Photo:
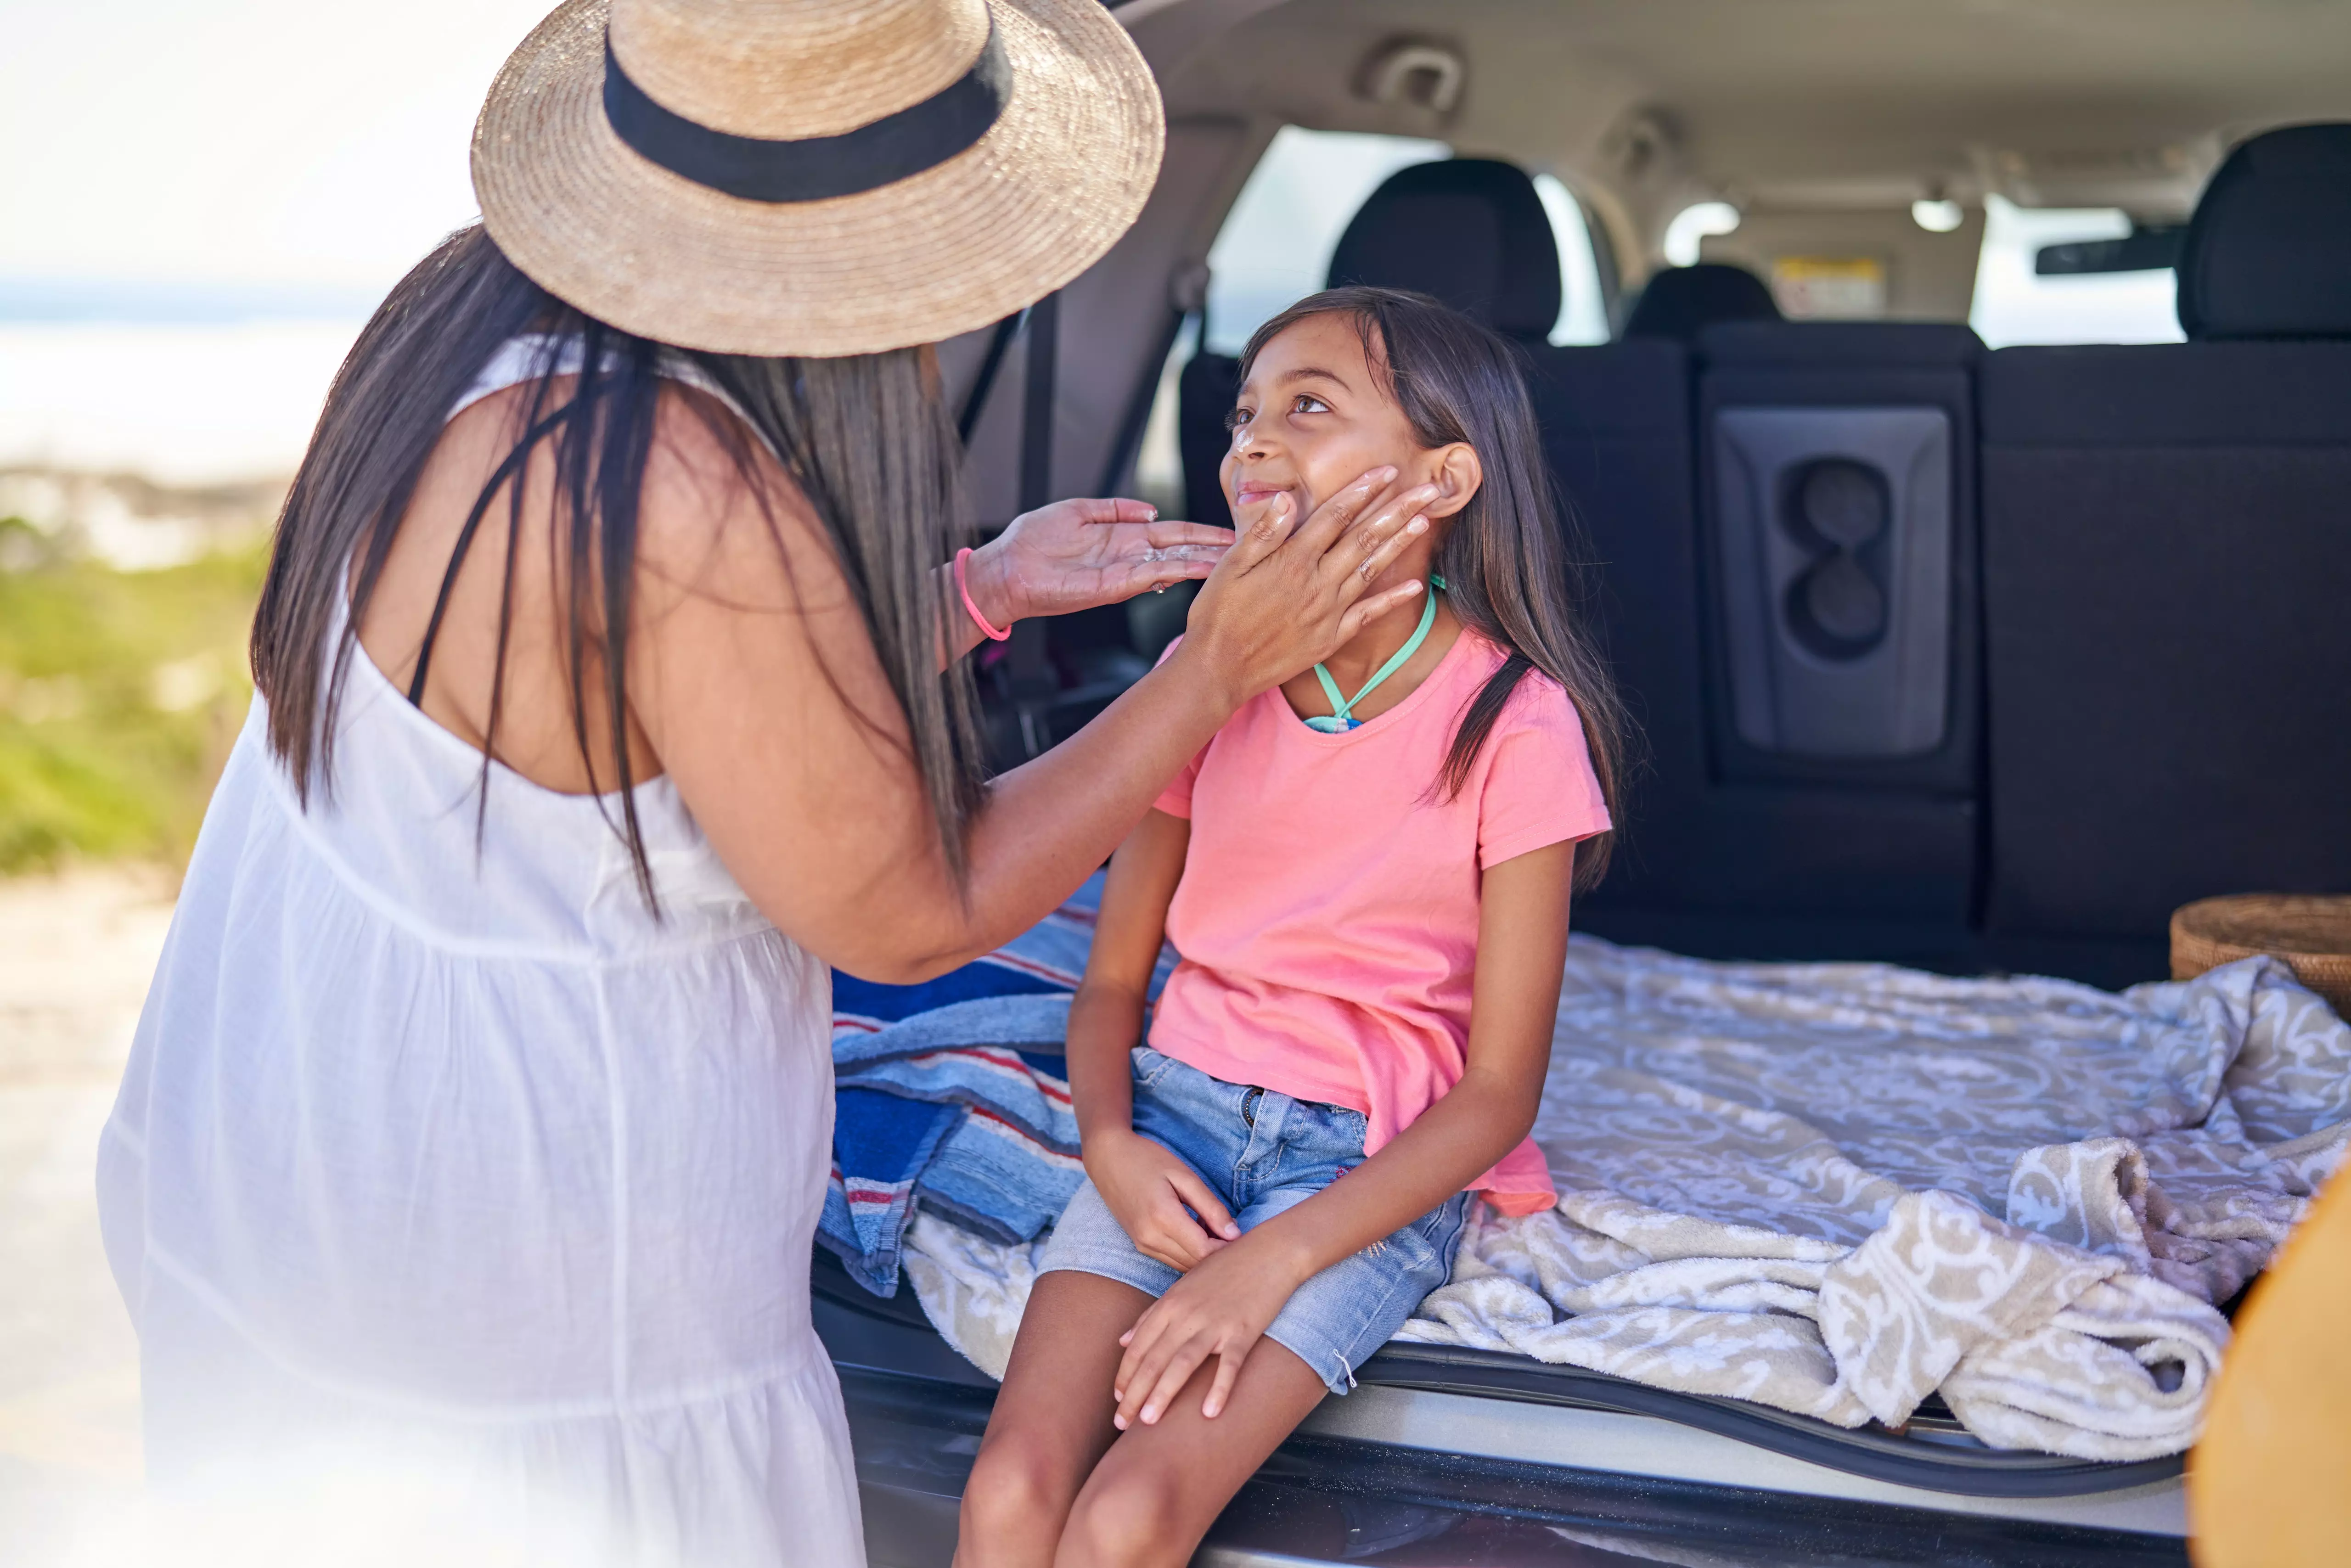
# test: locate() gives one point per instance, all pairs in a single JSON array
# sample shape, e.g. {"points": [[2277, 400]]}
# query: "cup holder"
{"points": [[1832, 531], [1837, 511]]}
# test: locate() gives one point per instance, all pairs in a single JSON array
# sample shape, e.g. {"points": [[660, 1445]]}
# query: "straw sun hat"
{"points": [[815, 177]]}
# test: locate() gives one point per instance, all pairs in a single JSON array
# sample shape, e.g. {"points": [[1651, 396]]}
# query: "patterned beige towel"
{"points": [[1780, 1184]]}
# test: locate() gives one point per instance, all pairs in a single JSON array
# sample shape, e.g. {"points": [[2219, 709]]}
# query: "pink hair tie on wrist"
{"points": [[963, 586]]}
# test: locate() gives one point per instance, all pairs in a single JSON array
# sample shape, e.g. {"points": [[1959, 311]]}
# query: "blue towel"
{"points": [[880, 1144], [953, 1094], [981, 1127]]}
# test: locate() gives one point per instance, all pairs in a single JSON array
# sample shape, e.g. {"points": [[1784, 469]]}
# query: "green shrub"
{"points": [[120, 695]]}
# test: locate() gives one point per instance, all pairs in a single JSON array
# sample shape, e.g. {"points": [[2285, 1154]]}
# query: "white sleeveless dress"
{"points": [[455, 1186]]}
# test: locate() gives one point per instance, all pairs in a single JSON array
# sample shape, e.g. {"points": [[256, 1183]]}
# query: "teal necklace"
{"points": [[1342, 716]]}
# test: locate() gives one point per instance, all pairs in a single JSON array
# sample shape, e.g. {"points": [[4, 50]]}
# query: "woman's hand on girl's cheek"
{"points": [[1219, 1309], [1291, 593], [1155, 1198]]}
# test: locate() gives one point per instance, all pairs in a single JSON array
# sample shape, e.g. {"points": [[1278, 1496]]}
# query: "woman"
{"points": [[478, 1121]]}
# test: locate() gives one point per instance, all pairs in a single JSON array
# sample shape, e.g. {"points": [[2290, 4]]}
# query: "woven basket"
{"points": [[2311, 931]]}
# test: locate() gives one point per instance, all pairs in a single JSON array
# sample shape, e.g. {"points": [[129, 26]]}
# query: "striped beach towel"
{"points": [[953, 1095]]}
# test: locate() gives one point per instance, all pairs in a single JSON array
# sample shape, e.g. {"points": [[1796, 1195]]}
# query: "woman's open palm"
{"points": [[1073, 555]]}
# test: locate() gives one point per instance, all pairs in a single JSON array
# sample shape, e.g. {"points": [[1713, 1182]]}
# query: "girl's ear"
{"points": [[1457, 478]]}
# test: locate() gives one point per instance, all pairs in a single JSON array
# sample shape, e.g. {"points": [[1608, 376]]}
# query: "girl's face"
{"points": [[1314, 414]]}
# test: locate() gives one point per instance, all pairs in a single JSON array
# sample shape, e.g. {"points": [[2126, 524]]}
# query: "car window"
{"points": [[2014, 305], [1583, 306]]}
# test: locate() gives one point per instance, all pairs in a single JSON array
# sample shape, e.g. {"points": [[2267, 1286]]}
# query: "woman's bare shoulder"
{"points": [[717, 509]]}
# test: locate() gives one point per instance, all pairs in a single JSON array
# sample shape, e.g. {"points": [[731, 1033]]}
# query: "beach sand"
{"points": [[77, 951]]}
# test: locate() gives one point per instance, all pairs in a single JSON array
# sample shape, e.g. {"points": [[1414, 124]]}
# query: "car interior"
{"points": [[1984, 659], [1979, 656]]}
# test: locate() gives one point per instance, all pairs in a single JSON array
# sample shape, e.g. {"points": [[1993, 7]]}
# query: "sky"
{"points": [[201, 202], [186, 146]]}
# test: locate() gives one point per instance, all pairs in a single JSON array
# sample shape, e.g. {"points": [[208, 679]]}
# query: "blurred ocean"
{"points": [[187, 403]]}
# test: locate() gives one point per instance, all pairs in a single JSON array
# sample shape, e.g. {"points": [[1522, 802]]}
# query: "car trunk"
{"points": [[1455, 1456]]}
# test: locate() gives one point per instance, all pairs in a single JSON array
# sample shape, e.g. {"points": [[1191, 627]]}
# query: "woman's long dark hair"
{"points": [[866, 439], [1508, 570]]}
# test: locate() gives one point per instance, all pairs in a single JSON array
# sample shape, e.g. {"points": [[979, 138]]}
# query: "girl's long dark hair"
{"points": [[1511, 570], [866, 439]]}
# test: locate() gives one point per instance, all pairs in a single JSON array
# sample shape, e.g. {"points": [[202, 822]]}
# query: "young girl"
{"points": [[1367, 874]]}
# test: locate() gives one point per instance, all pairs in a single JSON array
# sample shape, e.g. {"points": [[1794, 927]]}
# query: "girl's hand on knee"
{"points": [[1220, 1309], [1166, 1210]]}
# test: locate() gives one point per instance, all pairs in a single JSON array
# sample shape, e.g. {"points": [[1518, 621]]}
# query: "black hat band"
{"points": [[813, 168]]}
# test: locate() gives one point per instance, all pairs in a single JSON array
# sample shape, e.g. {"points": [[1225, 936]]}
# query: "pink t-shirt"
{"points": [[1327, 918]]}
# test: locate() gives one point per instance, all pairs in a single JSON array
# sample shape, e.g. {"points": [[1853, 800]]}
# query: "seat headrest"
{"points": [[2269, 252], [1679, 300], [1470, 231]]}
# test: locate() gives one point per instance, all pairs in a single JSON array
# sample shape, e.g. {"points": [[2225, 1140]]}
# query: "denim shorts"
{"points": [[1261, 1153]]}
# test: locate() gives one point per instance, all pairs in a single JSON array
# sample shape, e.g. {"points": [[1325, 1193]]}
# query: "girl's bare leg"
{"points": [[1153, 1494], [1051, 1423]]}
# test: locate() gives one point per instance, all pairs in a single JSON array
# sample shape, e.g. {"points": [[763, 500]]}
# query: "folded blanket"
{"points": [[881, 1145], [948, 1110], [952, 1096], [1836, 1188], [1047, 959], [2032, 1343]]}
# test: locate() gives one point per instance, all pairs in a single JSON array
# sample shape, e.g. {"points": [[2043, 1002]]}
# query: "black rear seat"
{"points": [[2168, 580], [1470, 231], [1681, 301], [1615, 422], [1815, 779], [1838, 494]]}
